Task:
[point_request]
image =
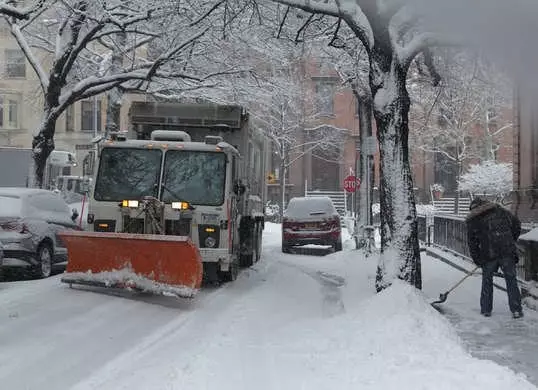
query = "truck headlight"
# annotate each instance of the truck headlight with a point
(210, 242)
(180, 205)
(130, 203)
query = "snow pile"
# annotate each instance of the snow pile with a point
(394, 340)
(130, 280)
(306, 322)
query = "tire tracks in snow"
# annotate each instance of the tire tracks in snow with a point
(330, 284)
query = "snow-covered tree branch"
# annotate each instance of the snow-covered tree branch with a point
(488, 179)
(7, 9)
(146, 38)
(464, 117)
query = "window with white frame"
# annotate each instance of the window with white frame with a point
(15, 63)
(10, 109)
(89, 111)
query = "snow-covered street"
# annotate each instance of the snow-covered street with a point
(290, 322)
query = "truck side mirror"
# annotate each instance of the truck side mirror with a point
(85, 185)
(75, 214)
(239, 188)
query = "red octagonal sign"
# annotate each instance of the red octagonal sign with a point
(351, 183)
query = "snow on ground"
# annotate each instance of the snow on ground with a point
(499, 338)
(289, 322)
(297, 321)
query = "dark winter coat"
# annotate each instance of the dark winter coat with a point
(492, 232)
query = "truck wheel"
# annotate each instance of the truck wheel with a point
(231, 274)
(258, 251)
(246, 260)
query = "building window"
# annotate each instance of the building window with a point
(15, 63)
(88, 114)
(70, 119)
(324, 98)
(10, 107)
(13, 114)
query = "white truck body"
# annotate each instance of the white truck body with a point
(219, 172)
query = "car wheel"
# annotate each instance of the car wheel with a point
(285, 248)
(338, 245)
(44, 258)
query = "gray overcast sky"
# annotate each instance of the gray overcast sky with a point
(507, 30)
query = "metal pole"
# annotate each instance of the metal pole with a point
(95, 116)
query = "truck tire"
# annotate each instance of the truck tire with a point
(247, 237)
(231, 274)
(247, 260)
(258, 238)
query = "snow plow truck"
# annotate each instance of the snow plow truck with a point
(176, 200)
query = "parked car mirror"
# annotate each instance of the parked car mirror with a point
(75, 215)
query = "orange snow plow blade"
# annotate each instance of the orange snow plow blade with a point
(168, 265)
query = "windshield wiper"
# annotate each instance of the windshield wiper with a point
(176, 196)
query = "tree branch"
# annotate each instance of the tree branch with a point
(34, 62)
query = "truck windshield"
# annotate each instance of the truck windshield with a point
(194, 176)
(127, 173)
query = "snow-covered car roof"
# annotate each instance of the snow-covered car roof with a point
(300, 207)
(21, 191)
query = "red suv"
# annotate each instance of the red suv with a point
(311, 220)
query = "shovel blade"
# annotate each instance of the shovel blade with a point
(442, 298)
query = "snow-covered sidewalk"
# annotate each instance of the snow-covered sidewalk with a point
(304, 322)
(513, 343)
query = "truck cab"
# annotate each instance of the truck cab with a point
(198, 184)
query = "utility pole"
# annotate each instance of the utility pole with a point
(95, 119)
(367, 149)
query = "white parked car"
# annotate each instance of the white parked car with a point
(29, 222)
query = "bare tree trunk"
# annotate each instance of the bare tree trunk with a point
(400, 252)
(42, 147)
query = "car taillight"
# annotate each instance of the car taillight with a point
(16, 226)
(333, 223)
(289, 224)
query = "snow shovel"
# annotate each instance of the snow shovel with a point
(444, 296)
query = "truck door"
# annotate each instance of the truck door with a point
(233, 207)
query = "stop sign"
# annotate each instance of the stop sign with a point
(351, 183)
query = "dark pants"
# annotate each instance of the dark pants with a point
(508, 267)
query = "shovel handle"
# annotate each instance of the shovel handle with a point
(462, 280)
